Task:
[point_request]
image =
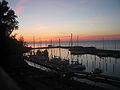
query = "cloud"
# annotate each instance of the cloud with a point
(19, 6)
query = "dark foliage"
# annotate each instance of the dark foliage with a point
(8, 21)
(10, 47)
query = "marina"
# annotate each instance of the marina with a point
(77, 50)
(106, 59)
(78, 62)
(62, 68)
(61, 45)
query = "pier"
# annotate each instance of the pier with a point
(79, 50)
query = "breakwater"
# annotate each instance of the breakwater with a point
(77, 50)
(94, 51)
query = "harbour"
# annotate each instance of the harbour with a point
(104, 77)
(92, 57)
(61, 45)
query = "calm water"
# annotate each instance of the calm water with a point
(106, 44)
(110, 66)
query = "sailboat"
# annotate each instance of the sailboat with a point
(97, 71)
(76, 50)
(58, 59)
(77, 66)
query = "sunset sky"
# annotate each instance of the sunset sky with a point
(53, 19)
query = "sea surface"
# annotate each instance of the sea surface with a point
(109, 65)
(101, 44)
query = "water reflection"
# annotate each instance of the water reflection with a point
(109, 66)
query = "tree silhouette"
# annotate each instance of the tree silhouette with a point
(8, 21)
(11, 49)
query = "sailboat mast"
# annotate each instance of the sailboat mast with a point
(40, 43)
(103, 43)
(51, 42)
(59, 42)
(71, 40)
(34, 45)
(115, 45)
(77, 40)
(34, 41)
(51, 49)
(59, 49)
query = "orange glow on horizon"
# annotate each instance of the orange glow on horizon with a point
(44, 39)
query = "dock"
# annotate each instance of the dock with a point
(66, 72)
(79, 50)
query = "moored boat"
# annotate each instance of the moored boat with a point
(77, 67)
